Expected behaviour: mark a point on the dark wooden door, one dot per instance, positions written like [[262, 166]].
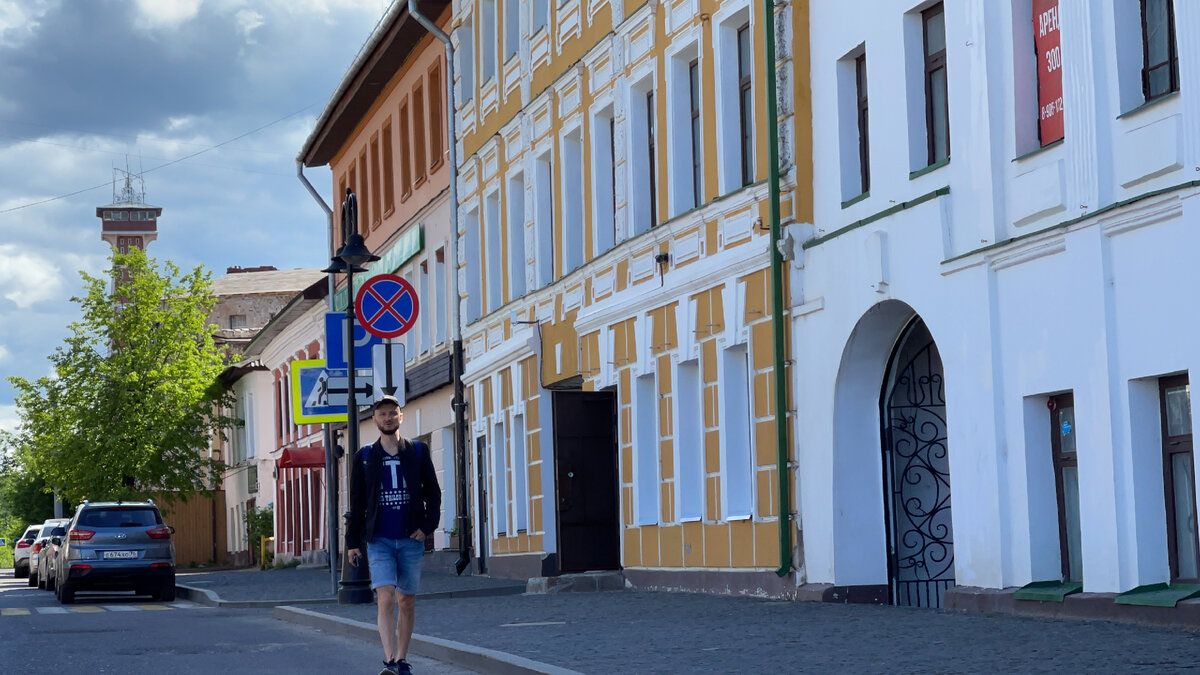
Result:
[[585, 458]]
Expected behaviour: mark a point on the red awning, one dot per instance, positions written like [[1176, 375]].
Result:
[[298, 458]]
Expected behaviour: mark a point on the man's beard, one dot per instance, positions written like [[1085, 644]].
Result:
[[388, 427]]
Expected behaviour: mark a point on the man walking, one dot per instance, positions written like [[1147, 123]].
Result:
[[395, 503]]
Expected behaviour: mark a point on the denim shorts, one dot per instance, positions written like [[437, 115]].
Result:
[[396, 562]]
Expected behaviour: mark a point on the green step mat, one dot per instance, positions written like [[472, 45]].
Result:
[[1048, 591], [1158, 595]]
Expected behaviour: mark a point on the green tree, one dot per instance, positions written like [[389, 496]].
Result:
[[134, 394]]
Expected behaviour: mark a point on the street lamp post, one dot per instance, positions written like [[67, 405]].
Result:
[[355, 585]]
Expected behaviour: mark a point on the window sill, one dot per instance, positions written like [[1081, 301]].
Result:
[[1038, 151], [854, 200], [387, 213], [404, 197], [417, 183], [913, 175], [1149, 104], [436, 165]]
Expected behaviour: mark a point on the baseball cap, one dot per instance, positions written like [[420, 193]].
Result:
[[386, 398]]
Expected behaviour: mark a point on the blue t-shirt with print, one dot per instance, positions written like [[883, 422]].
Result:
[[392, 521]]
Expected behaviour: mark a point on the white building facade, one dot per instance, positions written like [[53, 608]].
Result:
[[989, 313]]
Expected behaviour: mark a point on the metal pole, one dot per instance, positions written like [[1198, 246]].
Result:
[[331, 527], [460, 400]]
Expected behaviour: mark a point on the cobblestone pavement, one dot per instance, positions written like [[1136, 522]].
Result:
[[306, 584], [644, 632]]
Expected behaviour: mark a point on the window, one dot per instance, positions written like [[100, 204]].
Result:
[[423, 292], [405, 156], [697, 158], [516, 236], [466, 61], [389, 175], [439, 295], [120, 215], [1047, 40], [572, 196], [937, 112], [1160, 61], [863, 126], [641, 157], [499, 481], [1179, 478], [492, 251], [745, 103], [645, 451], [474, 263], [338, 235], [364, 203], [375, 192], [541, 15], [737, 454], [419, 130], [543, 216], [488, 47], [689, 442], [436, 132], [512, 28], [1066, 481], [237, 321], [604, 181], [519, 463], [344, 196]]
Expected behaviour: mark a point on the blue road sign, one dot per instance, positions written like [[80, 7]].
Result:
[[387, 306], [335, 343]]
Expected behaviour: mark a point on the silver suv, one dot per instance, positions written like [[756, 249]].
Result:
[[117, 546]]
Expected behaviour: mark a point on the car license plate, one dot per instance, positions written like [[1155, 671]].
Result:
[[120, 555]]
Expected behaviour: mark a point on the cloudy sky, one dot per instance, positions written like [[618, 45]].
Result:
[[89, 85]]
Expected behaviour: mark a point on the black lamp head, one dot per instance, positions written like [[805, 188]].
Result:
[[355, 252]]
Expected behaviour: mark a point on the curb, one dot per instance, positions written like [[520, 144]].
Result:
[[210, 598], [447, 651]]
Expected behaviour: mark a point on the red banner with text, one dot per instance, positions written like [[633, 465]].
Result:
[[1047, 41]]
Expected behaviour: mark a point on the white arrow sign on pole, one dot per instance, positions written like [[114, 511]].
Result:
[[387, 365]]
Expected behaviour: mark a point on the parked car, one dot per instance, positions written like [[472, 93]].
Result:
[[117, 546], [21, 553], [49, 551], [35, 551]]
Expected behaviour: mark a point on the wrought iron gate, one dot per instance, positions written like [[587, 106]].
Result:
[[917, 473]]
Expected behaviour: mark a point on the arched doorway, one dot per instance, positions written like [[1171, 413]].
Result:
[[916, 467]]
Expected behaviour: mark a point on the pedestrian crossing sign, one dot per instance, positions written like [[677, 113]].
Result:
[[310, 394]]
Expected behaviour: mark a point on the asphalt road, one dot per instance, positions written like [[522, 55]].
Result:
[[129, 635]]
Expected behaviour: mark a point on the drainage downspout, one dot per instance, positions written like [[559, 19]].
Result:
[[330, 458], [460, 401], [781, 443]]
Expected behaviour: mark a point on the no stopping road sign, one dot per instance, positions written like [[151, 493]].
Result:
[[387, 306]]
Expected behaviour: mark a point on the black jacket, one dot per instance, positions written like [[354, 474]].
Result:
[[425, 500]]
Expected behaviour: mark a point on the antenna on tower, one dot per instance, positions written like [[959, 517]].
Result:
[[132, 189]]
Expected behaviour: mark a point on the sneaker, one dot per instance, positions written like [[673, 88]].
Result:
[[402, 667], [389, 668]]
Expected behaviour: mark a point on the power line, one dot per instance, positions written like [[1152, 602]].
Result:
[[160, 166]]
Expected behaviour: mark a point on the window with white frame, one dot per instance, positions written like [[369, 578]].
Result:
[[441, 307], [543, 217], [466, 61], [735, 105], [474, 272], [689, 442], [928, 94], [516, 235], [641, 159], [645, 451], [512, 28], [493, 261], [604, 181], [520, 466], [411, 346], [499, 480], [487, 42], [541, 15], [684, 124], [572, 197], [737, 475], [249, 432], [852, 123], [423, 292]]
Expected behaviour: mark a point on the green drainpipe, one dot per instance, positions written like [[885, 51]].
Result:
[[781, 458]]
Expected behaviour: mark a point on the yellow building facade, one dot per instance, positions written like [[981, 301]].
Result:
[[615, 285]]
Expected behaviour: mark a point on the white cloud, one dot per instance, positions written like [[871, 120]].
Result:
[[166, 13], [9, 421], [27, 278], [4, 353], [20, 19], [248, 20]]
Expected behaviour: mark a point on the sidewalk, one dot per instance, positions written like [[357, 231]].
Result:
[[646, 632]]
